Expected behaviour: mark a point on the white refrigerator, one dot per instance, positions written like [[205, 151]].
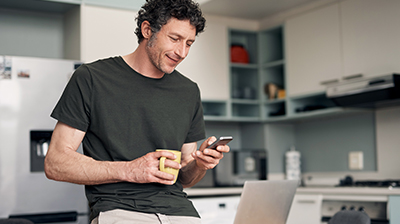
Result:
[[29, 90]]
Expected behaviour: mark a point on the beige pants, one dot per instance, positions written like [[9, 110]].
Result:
[[119, 216]]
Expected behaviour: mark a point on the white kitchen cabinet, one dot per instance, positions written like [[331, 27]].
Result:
[[306, 209], [371, 34], [340, 41], [394, 204], [313, 50], [216, 210]]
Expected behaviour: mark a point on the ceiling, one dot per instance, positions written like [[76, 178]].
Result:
[[249, 9]]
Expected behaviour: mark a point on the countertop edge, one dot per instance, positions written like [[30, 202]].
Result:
[[213, 191], [369, 191], [350, 190]]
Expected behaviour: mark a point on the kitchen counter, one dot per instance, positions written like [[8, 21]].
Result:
[[376, 194], [382, 191], [356, 191], [217, 191]]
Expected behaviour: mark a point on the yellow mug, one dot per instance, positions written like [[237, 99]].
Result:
[[169, 169]]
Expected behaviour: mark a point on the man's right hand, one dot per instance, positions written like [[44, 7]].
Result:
[[146, 168]]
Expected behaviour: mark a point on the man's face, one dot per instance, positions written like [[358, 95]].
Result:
[[167, 48]]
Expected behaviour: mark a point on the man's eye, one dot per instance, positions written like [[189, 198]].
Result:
[[174, 39]]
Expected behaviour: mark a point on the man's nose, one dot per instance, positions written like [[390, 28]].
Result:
[[181, 50]]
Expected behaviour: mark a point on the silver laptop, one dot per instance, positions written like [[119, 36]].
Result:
[[265, 201]]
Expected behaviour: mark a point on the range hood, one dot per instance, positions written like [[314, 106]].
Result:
[[375, 92]]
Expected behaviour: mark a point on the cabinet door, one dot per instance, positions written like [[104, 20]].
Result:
[[371, 34], [207, 63], [106, 32], [394, 205], [306, 209], [312, 43], [218, 210]]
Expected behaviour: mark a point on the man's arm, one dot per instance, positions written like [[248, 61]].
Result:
[[196, 163], [63, 163]]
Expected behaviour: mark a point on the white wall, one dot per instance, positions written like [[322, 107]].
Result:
[[112, 27]]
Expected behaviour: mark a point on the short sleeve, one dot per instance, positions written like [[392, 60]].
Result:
[[197, 128], [73, 108]]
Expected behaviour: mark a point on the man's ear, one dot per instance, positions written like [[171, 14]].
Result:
[[146, 29]]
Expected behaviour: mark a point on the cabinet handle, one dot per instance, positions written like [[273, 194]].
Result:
[[328, 82], [306, 201], [354, 76]]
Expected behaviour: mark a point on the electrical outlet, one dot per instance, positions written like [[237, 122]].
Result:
[[356, 161]]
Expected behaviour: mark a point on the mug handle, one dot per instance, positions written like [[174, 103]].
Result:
[[162, 161]]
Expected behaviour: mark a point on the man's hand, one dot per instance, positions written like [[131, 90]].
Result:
[[208, 158], [146, 168]]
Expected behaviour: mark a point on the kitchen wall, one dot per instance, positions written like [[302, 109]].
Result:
[[387, 129], [93, 37], [325, 143]]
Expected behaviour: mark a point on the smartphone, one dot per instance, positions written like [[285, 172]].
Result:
[[223, 140]]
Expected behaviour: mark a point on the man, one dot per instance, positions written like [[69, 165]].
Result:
[[123, 109]]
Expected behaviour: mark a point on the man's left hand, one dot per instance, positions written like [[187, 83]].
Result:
[[208, 158]]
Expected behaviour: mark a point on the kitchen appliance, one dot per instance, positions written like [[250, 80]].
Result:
[[29, 89], [239, 166], [387, 183], [372, 92], [376, 210], [375, 206]]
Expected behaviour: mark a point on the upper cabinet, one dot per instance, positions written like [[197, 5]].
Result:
[[350, 39], [371, 34], [313, 52], [35, 28]]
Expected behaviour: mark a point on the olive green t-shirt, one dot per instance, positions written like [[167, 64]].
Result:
[[126, 115]]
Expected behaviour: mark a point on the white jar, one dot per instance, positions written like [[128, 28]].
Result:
[[293, 164]]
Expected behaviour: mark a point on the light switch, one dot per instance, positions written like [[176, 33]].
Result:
[[356, 161]]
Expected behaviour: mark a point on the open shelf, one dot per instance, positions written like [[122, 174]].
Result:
[[215, 110]]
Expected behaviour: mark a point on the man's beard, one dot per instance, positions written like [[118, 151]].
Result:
[[152, 53]]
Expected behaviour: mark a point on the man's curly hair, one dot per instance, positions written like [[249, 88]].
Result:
[[158, 13]]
